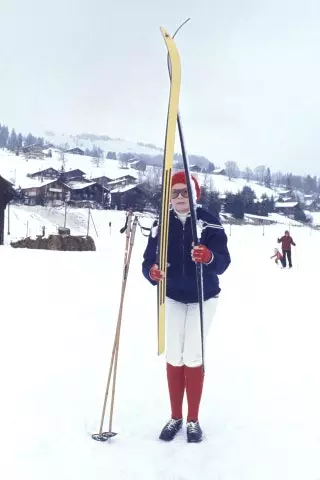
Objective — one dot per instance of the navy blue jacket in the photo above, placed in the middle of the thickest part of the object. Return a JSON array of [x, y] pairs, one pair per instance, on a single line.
[[181, 272]]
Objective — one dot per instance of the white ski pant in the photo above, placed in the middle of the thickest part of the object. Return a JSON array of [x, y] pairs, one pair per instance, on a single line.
[[183, 332]]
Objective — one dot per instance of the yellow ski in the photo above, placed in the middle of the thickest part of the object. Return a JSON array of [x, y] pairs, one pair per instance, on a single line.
[[173, 108]]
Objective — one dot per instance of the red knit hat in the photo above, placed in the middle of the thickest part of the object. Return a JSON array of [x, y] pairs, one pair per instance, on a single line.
[[180, 177]]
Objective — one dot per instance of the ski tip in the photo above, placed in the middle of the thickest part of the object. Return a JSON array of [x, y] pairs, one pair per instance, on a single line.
[[164, 32]]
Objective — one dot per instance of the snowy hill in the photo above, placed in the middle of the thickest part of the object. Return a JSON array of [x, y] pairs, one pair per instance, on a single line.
[[16, 168], [222, 184], [260, 407], [106, 143]]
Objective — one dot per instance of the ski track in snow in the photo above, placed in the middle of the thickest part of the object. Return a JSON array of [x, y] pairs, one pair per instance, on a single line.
[[260, 408]]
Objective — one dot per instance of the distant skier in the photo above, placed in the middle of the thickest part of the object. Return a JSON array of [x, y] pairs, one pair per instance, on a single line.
[[286, 242], [278, 257], [183, 333]]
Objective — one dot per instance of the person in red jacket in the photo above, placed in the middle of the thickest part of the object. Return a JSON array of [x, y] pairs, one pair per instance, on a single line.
[[278, 257], [286, 242]]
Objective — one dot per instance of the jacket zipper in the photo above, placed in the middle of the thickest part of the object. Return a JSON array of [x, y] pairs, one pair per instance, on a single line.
[[183, 227]]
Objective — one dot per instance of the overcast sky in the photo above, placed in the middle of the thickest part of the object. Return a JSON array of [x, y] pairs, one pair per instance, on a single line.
[[250, 74]]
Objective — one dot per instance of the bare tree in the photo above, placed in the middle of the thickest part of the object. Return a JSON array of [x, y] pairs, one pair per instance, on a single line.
[[232, 169], [153, 176], [277, 178], [63, 161], [260, 173], [98, 160], [248, 173]]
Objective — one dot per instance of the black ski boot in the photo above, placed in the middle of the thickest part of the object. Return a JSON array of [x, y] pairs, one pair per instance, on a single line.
[[194, 432], [170, 430]]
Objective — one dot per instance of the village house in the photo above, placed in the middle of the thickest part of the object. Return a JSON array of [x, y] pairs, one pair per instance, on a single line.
[[285, 196], [139, 165], [46, 192], [103, 180], [289, 209], [195, 168], [75, 174], [33, 151], [7, 193], [80, 192], [219, 171], [75, 151], [311, 202], [122, 181], [48, 173], [128, 196]]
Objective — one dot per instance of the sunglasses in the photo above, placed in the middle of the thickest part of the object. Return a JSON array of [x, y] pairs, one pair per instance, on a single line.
[[175, 193]]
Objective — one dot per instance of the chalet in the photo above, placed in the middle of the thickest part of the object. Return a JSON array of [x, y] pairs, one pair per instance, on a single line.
[[122, 182], [48, 173], [138, 165], [86, 191], [46, 192], [311, 203], [7, 193], [128, 196], [258, 219], [285, 196], [75, 151], [75, 174], [219, 171], [103, 180], [287, 208], [33, 151], [195, 168]]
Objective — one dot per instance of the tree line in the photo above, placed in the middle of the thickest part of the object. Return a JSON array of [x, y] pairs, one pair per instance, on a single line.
[[15, 141], [307, 184]]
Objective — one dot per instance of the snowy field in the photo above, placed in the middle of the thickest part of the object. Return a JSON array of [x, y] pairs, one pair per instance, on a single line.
[[260, 409]]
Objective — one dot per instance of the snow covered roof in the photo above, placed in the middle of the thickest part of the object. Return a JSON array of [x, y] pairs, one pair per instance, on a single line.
[[31, 183], [259, 217], [283, 192], [123, 189], [286, 205], [309, 202], [80, 185]]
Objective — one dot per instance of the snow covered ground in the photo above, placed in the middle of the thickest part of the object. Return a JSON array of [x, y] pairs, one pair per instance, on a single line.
[[111, 145], [260, 409]]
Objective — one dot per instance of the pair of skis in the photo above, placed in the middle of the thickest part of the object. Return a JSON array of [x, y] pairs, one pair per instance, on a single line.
[[174, 120]]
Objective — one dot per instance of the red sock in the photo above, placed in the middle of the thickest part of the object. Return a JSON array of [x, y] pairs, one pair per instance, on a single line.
[[194, 385], [176, 385]]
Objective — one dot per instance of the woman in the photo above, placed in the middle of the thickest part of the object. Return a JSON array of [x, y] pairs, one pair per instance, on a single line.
[[183, 334]]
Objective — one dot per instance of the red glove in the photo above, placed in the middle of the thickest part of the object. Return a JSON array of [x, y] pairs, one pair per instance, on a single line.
[[155, 273], [201, 254]]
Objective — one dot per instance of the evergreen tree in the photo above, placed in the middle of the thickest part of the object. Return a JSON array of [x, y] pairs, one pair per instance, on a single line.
[[4, 135], [268, 178], [13, 140], [19, 141], [289, 181], [30, 140], [249, 196]]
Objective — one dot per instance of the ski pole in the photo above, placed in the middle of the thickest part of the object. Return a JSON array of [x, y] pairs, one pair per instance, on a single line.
[[132, 238], [127, 257]]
